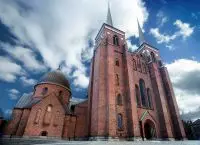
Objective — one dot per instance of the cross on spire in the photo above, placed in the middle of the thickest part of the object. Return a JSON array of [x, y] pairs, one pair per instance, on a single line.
[[109, 17], [141, 35]]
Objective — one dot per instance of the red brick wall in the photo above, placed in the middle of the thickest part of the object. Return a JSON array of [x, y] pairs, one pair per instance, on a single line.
[[13, 124], [55, 126], [23, 122], [81, 129], [52, 88]]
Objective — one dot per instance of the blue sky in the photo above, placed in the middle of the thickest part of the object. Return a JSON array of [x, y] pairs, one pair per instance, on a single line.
[[37, 36]]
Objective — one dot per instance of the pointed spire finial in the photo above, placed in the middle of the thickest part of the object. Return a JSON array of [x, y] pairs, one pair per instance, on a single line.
[[109, 17], [59, 67], [141, 35]]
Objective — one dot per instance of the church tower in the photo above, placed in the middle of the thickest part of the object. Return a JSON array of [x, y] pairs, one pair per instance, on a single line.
[[130, 94], [110, 114]]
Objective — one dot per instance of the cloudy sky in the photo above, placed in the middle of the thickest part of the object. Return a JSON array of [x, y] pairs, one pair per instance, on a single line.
[[36, 36]]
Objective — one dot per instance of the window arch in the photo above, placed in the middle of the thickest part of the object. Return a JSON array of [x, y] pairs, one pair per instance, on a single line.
[[153, 58], [37, 116], [119, 121], [149, 98], [119, 99], [44, 90], [142, 92], [137, 95], [117, 79], [48, 114], [117, 62], [134, 65], [115, 40]]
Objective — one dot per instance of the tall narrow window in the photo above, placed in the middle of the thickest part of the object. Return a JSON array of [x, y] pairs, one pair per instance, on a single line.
[[117, 79], [44, 90], [134, 65], [119, 122], [48, 114], [142, 92], [117, 62], [149, 98], [137, 95], [37, 116], [119, 99], [115, 40], [153, 58]]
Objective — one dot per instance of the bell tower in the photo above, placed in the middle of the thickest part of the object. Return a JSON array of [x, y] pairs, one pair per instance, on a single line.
[[106, 112]]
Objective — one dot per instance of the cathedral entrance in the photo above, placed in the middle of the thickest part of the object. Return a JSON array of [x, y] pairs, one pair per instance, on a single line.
[[149, 130], [44, 133]]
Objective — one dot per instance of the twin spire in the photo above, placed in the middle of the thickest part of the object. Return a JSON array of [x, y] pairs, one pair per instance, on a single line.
[[109, 22], [109, 17]]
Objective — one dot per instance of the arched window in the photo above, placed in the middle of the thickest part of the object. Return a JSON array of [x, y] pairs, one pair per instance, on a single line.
[[44, 90], [149, 98], [119, 99], [117, 79], [117, 62], [115, 40], [138, 62], [60, 93], [134, 65], [119, 121], [37, 116], [137, 95], [142, 92], [48, 114], [153, 58]]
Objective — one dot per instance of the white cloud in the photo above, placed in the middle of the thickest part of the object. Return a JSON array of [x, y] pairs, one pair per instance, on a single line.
[[25, 55], [131, 47], [161, 18], [171, 47], [13, 93], [161, 38], [185, 77], [80, 79], [185, 30], [27, 81], [9, 70], [59, 30]]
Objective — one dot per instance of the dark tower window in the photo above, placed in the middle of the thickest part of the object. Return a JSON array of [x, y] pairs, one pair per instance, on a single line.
[[60, 93], [44, 90], [137, 95], [149, 98], [142, 91], [115, 40], [153, 58], [134, 65], [117, 62], [119, 122], [72, 108], [119, 99], [117, 79]]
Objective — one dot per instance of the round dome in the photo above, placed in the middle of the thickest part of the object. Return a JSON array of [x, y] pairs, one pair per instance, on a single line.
[[56, 77]]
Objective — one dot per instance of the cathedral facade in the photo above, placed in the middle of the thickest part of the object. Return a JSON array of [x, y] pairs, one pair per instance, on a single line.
[[130, 96]]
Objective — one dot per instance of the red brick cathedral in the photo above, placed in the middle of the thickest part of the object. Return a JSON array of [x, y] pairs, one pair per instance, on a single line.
[[130, 96]]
